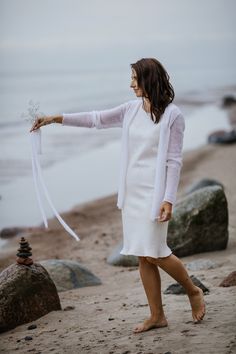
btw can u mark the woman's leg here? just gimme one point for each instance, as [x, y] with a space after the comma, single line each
[151, 280]
[175, 268]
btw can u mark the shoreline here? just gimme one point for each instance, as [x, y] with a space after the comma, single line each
[87, 328]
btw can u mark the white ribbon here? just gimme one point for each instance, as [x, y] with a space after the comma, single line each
[35, 139]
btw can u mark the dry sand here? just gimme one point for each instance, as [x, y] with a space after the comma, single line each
[104, 316]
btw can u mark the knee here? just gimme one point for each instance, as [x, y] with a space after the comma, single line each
[147, 260]
[151, 260]
[142, 259]
[158, 261]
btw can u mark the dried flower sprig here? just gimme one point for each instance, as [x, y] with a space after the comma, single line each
[32, 112]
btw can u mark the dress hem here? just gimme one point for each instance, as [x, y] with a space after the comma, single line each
[144, 255]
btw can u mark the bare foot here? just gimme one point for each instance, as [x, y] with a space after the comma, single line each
[149, 324]
[198, 305]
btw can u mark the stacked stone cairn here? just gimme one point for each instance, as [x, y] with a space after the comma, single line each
[24, 252]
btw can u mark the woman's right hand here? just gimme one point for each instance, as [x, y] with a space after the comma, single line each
[40, 122]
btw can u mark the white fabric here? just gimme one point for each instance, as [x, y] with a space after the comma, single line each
[35, 139]
[141, 236]
[169, 158]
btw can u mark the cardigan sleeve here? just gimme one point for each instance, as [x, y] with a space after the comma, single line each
[109, 118]
[174, 158]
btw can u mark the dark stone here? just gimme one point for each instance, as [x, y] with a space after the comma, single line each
[33, 326]
[199, 223]
[26, 293]
[69, 308]
[118, 259]
[230, 280]
[68, 275]
[205, 182]
[28, 338]
[9, 232]
[222, 137]
[178, 289]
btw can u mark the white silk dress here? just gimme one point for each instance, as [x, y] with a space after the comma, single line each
[141, 235]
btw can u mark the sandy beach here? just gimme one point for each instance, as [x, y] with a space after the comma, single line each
[102, 317]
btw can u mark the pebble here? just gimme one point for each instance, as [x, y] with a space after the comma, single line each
[28, 338]
[33, 326]
[69, 308]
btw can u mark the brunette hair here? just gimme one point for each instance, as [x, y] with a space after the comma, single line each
[153, 80]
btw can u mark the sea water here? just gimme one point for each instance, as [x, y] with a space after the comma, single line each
[75, 56]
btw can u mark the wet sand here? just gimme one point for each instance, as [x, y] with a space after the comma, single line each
[103, 317]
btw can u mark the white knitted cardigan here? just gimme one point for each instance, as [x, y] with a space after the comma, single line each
[169, 156]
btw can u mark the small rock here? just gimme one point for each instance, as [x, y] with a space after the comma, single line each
[118, 259]
[110, 319]
[177, 289]
[230, 280]
[28, 338]
[69, 308]
[200, 264]
[33, 326]
[9, 232]
[68, 275]
[185, 330]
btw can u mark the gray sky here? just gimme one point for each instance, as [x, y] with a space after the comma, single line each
[48, 24]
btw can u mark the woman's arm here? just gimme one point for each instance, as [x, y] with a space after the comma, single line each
[41, 121]
[174, 159]
[108, 118]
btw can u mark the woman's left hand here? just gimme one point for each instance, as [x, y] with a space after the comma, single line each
[165, 212]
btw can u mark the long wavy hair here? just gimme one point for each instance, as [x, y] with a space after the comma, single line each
[153, 80]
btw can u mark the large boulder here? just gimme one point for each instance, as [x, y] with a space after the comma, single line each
[118, 259]
[199, 223]
[204, 182]
[68, 275]
[26, 293]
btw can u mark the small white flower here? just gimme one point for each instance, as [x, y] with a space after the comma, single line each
[32, 112]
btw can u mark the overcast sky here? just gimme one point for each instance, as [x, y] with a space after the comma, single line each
[52, 23]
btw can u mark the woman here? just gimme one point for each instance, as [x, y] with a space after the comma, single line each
[151, 159]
